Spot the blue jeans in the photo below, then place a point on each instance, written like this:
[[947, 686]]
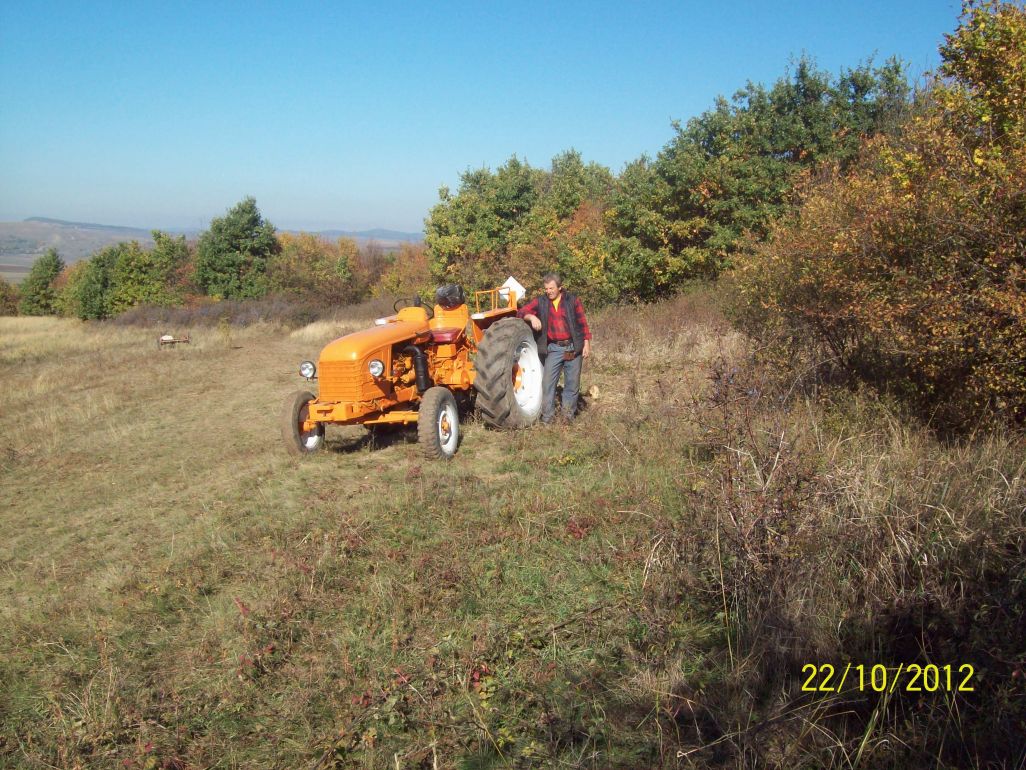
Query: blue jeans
[[571, 370]]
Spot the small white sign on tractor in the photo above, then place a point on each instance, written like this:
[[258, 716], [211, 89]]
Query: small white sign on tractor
[[514, 285]]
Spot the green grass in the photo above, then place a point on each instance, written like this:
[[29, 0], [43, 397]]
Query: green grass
[[179, 593]]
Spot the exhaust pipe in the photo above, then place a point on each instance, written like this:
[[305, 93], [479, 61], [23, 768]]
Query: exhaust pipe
[[420, 367]]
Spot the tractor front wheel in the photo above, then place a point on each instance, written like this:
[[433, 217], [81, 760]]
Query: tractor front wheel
[[509, 375], [294, 415], [438, 424]]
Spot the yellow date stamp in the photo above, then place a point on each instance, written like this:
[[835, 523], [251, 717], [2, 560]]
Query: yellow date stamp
[[911, 677]]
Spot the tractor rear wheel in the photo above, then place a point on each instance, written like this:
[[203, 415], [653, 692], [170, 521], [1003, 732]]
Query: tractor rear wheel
[[438, 424], [297, 410], [509, 375]]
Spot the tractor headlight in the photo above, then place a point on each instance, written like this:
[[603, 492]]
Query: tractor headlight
[[308, 370], [376, 367]]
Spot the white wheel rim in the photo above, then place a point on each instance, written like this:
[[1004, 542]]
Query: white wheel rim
[[448, 429], [527, 376], [311, 439]]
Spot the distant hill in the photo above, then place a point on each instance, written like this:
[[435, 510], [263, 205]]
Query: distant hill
[[377, 234], [21, 243], [131, 232]]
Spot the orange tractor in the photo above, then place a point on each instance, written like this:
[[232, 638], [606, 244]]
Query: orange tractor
[[424, 366]]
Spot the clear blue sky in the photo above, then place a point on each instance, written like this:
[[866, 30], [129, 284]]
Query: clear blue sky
[[351, 115]]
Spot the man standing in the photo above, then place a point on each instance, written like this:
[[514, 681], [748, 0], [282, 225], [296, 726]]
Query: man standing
[[564, 342]]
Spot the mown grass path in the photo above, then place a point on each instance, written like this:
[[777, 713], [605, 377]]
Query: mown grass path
[[642, 589], [180, 593]]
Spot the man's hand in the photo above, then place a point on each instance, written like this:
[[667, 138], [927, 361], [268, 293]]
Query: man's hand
[[534, 321], [587, 349]]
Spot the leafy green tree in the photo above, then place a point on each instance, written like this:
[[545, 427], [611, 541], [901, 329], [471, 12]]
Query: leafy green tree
[[572, 183], [147, 277], [232, 256], [93, 290], [731, 170], [8, 298], [727, 174], [524, 221], [469, 235], [68, 301], [37, 292]]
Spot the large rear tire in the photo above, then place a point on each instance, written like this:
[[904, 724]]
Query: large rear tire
[[297, 441], [438, 424], [509, 375]]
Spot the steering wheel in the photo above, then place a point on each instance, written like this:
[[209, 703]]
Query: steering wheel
[[402, 302]]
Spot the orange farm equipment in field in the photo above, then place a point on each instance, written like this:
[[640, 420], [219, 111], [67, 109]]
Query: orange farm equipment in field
[[424, 366]]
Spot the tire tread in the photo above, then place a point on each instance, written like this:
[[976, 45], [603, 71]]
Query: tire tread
[[493, 366]]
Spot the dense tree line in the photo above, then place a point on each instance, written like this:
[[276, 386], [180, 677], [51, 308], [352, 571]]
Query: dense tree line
[[241, 256], [638, 235], [725, 175]]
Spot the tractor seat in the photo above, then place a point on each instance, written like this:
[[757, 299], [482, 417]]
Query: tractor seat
[[446, 335]]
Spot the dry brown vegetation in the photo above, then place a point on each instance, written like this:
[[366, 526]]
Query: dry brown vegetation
[[638, 590]]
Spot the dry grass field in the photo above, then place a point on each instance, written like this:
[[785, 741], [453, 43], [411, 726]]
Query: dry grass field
[[177, 592]]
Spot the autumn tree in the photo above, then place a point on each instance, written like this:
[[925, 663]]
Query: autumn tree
[[67, 301], [408, 274], [909, 270], [9, 298], [371, 263], [312, 267]]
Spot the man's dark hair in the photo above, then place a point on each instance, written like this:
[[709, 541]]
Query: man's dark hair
[[552, 278]]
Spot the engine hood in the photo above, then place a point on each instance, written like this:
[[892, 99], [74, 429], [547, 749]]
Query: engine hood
[[358, 345]]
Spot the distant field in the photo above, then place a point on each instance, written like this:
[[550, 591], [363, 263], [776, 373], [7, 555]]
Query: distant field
[[179, 593], [14, 273]]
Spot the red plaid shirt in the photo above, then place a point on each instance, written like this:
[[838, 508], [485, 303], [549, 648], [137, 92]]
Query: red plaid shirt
[[559, 325]]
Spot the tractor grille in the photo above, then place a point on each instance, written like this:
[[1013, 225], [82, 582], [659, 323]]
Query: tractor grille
[[344, 381]]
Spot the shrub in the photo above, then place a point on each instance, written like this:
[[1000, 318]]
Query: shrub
[[9, 298], [280, 309]]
